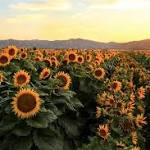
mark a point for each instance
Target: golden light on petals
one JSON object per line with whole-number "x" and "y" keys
{"x": 134, "y": 137}
{"x": 11, "y": 51}
{"x": 116, "y": 86}
{"x": 21, "y": 78}
{"x": 141, "y": 93}
{"x": 1, "y": 77}
{"x": 140, "y": 120}
{"x": 64, "y": 78}
{"x": 99, "y": 73}
{"x": 80, "y": 59}
{"x": 103, "y": 131}
{"x": 26, "y": 103}
{"x": 72, "y": 56}
{"x": 23, "y": 55}
{"x": 45, "y": 73}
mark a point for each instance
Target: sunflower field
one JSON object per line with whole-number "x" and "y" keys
{"x": 88, "y": 99}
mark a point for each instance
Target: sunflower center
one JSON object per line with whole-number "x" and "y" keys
{"x": 21, "y": 79}
{"x": 72, "y": 57}
{"x": 11, "y": 51}
{"x": 46, "y": 74}
{"x": 63, "y": 81}
{"x": 26, "y": 103}
{"x": 103, "y": 133}
{"x": 98, "y": 73}
{"x": 115, "y": 85}
{"x": 3, "y": 59}
{"x": 23, "y": 55}
{"x": 80, "y": 59}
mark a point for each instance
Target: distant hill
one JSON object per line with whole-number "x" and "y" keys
{"x": 76, "y": 43}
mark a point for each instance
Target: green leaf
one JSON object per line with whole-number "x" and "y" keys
{"x": 22, "y": 131}
{"x": 42, "y": 120}
{"x": 47, "y": 142}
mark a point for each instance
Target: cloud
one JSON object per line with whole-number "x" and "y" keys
{"x": 41, "y": 6}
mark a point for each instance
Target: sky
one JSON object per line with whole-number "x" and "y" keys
{"x": 99, "y": 20}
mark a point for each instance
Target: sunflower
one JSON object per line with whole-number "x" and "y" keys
{"x": 12, "y": 51}
{"x": 4, "y": 59}
{"x": 26, "y": 103}
{"x": 88, "y": 57}
{"x": 141, "y": 93}
{"x": 44, "y": 73}
{"x": 116, "y": 86}
{"x": 38, "y": 58}
{"x": 21, "y": 78}
{"x": 1, "y": 77}
{"x": 72, "y": 56}
{"x": 140, "y": 120}
{"x": 23, "y": 55}
{"x": 47, "y": 61}
{"x": 64, "y": 78}
{"x": 54, "y": 63}
{"x": 99, "y": 73}
{"x": 80, "y": 59}
{"x": 103, "y": 131}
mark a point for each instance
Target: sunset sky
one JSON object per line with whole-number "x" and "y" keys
{"x": 99, "y": 20}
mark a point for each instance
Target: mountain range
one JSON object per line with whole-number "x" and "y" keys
{"x": 76, "y": 43}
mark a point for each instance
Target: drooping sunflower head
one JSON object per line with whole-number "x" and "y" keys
{"x": 103, "y": 131}
{"x": 21, "y": 78}
{"x": 116, "y": 86}
{"x": 26, "y": 103}
{"x": 45, "y": 73}
{"x": 4, "y": 59}
{"x": 99, "y": 73}
{"x": 12, "y": 51}
{"x": 65, "y": 80}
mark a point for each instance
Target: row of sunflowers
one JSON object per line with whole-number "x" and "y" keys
{"x": 88, "y": 99}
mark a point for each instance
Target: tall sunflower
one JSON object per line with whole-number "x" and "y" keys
{"x": 44, "y": 73}
{"x": 21, "y": 78}
{"x": 4, "y": 59}
{"x": 65, "y": 79}
{"x": 26, "y": 103}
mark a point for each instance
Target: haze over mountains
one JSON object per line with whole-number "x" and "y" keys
{"x": 76, "y": 43}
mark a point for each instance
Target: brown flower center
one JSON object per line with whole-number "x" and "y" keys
{"x": 3, "y": 59}
{"x": 26, "y": 103}
{"x": 98, "y": 73}
{"x": 63, "y": 81}
{"x": 21, "y": 79}
{"x": 72, "y": 57}
{"x": 12, "y": 52}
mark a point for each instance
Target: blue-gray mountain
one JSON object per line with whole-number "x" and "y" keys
{"x": 76, "y": 43}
